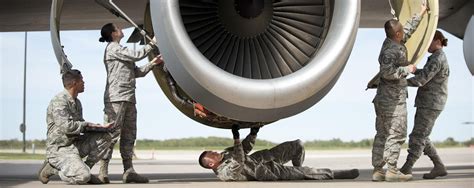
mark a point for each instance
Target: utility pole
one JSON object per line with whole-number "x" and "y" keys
{"x": 23, "y": 124}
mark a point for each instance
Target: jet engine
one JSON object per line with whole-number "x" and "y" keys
{"x": 255, "y": 60}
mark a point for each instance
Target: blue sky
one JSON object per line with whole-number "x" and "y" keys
{"x": 346, "y": 112}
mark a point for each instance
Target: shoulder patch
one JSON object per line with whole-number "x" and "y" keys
{"x": 61, "y": 112}
{"x": 388, "y": 58}
{"x": 433, "y": 66}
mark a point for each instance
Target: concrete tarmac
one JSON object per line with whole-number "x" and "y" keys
{"x": 180, "y": 169}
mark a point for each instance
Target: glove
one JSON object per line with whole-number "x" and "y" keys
{"x": 97, "y": 129}
{"x": 155, "y": 50}
{"x": 91, "y": 127}
{"x": 254, "y": 130}
{"x": 235, "y": 131}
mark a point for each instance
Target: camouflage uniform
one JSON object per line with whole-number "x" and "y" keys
{"x": 67, "y": 143}
{"x": 431, "y": 97}
{"x": 267, "y": 165}
{"x": 119, "y": 97}
{"x": 390, "y": 100}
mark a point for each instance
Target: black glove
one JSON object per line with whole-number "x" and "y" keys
{"x": 155, "y": 50}
{"x": 97, "y": 129}
{"x": 254, "y": 130}
{"x": 235, "y": 131}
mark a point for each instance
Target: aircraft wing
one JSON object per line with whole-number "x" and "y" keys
{"x": 33, "y": 15}
{"x": 27, "y": 15}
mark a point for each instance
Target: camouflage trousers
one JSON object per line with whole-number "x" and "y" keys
{"x": 271, "y": 164}
{"x": 391, "y": 127}
{"x": 68, "y": 160}
{"x": 124, "y": 114}
{"x": 419, "y": 137}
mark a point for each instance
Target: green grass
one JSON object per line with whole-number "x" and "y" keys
{"x": 219, "y": 143}
{"x": 21, "y": 156}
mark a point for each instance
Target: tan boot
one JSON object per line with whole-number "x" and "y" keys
{"x": 104, "y": 171}
{"x": 397, "y": 176}
{"x": 45, "y": 172}
{"x": 130, "y": 176}
{"x": 438, "y": 170}
{"x": 378, "y": 175}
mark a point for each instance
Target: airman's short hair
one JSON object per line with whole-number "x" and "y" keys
{"x": 202, "y": 161}
{"x": 391, "y": 27}
{"x": 70, "y": 76}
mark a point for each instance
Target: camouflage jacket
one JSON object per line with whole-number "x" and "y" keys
{"x": 65, "y": 124}
{"x": 236, "y": 164}
{"x": 432, "y": 81}
{"x": 121, "y": 71}
{"x": 392, "y": 59}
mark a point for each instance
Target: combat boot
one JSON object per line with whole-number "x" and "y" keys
{"x": 378, "y": 175}
{"x": 438, "y": 170}
{"x": 408, "y": 166}
{"x": 346, "y": 174}
{"x": 397, "y": 176}
{"x": 95, "y": 180}
{"x": 46, "y": 171}
{"x": 299, "y": 153}
{"x": 104, "y": 171}
{"x": 130, "y": 176}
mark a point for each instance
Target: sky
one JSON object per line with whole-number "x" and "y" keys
{"x": 346, "y": 112}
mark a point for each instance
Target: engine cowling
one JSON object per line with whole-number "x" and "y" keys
{"x": 468, "y": 44}
{"x": 256, "y": 61}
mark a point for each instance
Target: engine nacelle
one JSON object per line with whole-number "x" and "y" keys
{"x": 468, "y": 45}
{"x": 256, "y": 61}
